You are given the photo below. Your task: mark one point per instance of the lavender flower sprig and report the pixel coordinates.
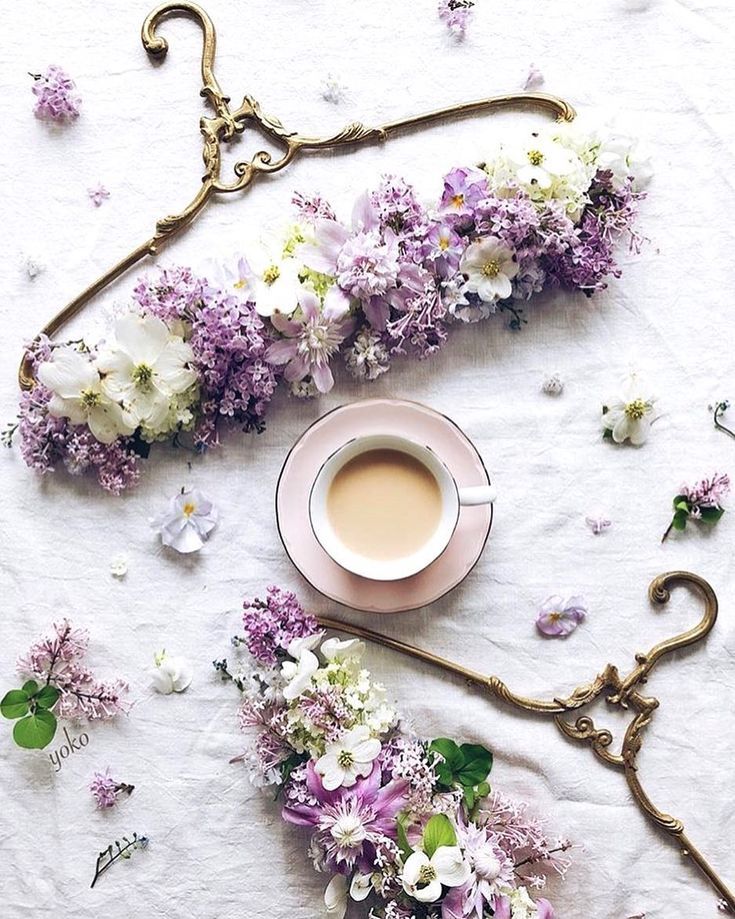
(701, 502)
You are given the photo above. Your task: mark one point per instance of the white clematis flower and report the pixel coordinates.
(336, 651)
(423, 877)
(489, 267)
(187, 521)
(629, 418)
(348, 758)
(298, 673)
(145, 366)
(335, 896)
(539, 160)
(78, 395)
(171, 674)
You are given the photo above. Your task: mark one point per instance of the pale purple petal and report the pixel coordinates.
(281, 352)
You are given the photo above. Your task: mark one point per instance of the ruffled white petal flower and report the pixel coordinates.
(630, 417)
(187, 522)
(334, 649)
(78, 395)
(451, 868)
(170, 674)
(335, 896)
(489, 267)
(348, 758)
(298, 674)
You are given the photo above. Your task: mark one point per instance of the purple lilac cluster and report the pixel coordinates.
(58, 659)
(706, 493)
(271, 625)
(47, 441)
(106, 790)
(456, 14)
(371, 795)
(229, 340)
(56, 95)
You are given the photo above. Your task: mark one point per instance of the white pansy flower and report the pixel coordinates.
(539, 160)
(335, 650)
(348, 758)
(171, 674)
(145, 367)
(335, 896)
(489, 267)
(188, 520)
(629, 417)
(78, 395)
(298, 674)
(423, 877)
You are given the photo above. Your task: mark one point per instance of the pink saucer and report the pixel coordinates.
(380, 416)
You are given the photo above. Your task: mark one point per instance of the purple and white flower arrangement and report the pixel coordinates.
(404, 826)
(193, 356)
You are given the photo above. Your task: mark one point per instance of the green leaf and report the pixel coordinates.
(47, 697)
(446, 771)
(35, 731)
(14, 704)
(482, 790)
(31, 687)
(469, 797)
(680, 520)
(711, 514)
(477, 764)
(403, 844)
(439, 832)
(681, 504)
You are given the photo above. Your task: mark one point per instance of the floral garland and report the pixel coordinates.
(191, 353)
(410, 828)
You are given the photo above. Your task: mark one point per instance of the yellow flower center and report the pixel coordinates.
(535, 157)
(271, 275)
(554, 617)
(636, 409)
(142, 376)
(90, 398)
(427, 874)
(458, 201)
(491, 269)
(443, 243)
(345, 759)
(240, 283)
(188, 509)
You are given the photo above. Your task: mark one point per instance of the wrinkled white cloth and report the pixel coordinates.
(218, 847)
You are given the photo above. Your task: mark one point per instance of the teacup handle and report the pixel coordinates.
(477, 494)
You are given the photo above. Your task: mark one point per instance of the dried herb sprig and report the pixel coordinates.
(115, 851)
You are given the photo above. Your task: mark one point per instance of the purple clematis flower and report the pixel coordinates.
(558, 617)
(463, 190)
(349, 822)
(310, 341)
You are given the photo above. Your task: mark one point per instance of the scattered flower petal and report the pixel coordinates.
(553, 385)
(98, 194)
(333, 90)
(598, 524)
(119, 567)
(32, 266)
(187, 522)
(534, 79)
(559, 617)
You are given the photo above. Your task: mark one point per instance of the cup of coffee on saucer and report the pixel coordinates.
(385, 507)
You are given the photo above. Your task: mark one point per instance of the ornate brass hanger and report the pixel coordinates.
(227, 123)
(619, 691)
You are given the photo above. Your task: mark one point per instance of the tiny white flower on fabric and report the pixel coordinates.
(489, 267)
(335, 896)
(187, 521)
(145, 366)
(170, 674)
(539, 160)
(422, 877)
(534, 78)
(333, 90)
(629, 417)
(553, 385)
(335, 650)
(33, 266)
(298, 674)
(78, 395)
(360, 887)
(119, 567)
(598, 524)
(348, 758)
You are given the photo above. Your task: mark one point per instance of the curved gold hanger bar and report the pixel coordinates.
(622, 692)
(227, 123)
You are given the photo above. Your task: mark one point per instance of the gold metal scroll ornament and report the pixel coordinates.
(619, 691)
(227, 123)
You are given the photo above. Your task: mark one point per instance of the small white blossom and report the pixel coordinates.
(489, 266)
(119, 567)
(348, 758)
(553, 385)
(187, 522)
(629, 417)
(423, 877)
(170, 674)
(298, 674)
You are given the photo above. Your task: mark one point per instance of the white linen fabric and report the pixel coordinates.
(218, 847)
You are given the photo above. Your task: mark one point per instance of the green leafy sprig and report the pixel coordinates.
(683, 512)
(30, 708)
(465, 767)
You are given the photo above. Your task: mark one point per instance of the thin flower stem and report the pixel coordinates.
(542, 858)
(54, 657)
(720, 409)
(669, 528)
(130, 844)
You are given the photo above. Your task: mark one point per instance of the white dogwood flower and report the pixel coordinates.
(336, 650)
(78, 395)
(489, 267)
(335, 896)
(629, 417)
(423, 877)
(539, 160)
(348, 758)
